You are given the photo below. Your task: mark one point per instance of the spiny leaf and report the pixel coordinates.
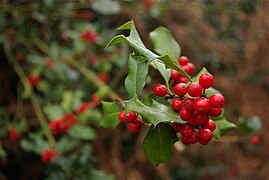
(165, 44)
(155, 112)
(158, 143)
(111, 111)
(137, 74)
(115, 40)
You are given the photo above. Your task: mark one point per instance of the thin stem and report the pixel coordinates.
(36, 107)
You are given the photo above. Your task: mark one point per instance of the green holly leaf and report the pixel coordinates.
(154, 112)
(137, 75)
(223, 126)
(164, 43)
(158, 143)
(111, 111)
(83, 132)
(53, 111)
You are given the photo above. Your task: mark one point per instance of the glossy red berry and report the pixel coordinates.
(203, 142)
(130, 117)
(135, 126)
(188, 103)
(177, 104)
(185, 114)
(194, 137)
(48, 155)
(185, 68)
(182, 79)
(195, 89)
(175, 75)
(217, 100)
(185, 140)
(180, 89)
(190, 68)
(211, 125)
(214, 112)
(186, 130)
(201, 119)
(183, 60)
(205, 135)
(121, 116)
(176, 126)
(201, 105)
(206, 80)
(193, 122)
(160, 90)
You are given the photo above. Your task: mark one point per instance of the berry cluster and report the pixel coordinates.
(62, 125)
(48, 155)
(132, 119)
(192, 104)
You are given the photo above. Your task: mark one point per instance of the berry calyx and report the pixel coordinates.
(206, 80)
(217, 100)
(177, 104)
(135, 126)
(201, 105)
(183, 60)
(121, 116)
(195, 89)
(180, 89)
(160, 90)
(130, 117)
(211, 125)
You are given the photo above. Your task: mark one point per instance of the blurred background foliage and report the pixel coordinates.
(53, 63)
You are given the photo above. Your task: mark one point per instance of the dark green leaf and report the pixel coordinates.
(83, 132)
(158, 143)
(3, 152)
(137, 75)
(224, 126)
(217, 133)
(155, 113)
(165, 44)
(111, 111)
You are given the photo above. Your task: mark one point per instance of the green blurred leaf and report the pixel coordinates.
(251, 125)
(137, 76)
(107, 7)
(165, 44)
(3, 152)
(53, 111)
(158, 143)
(111, 111)
(155, 112)
(217, 133)
(224, 126)
(83, 132)
(65, 144)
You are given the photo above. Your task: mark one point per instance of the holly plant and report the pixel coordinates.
(183, 108)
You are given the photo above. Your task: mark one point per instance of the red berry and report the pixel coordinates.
(175, 75)
(186, 130)
(190, 68)
(194, 137)
(185, 114)
(89, 35)
(33, 79)
(130, 117)
(255, 139)
(160, 90)
(149, 3)
(182, 79)
(188, 103)
(211, 125)
(183, 60)
(206, 80)
(201, 119)
(185, 140)
(82, 107)
(217, 100)
(135, 126)
(180, 89)
(54, 126)
(13, 134)
(214, 112)
(177, 104)
(63, 126)
(193, 122)
(203, 142)
(121, 116)
(201, 105)
(185, 68)
(48, 155)
(195, 89)
(176, 127)
(205, 135)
